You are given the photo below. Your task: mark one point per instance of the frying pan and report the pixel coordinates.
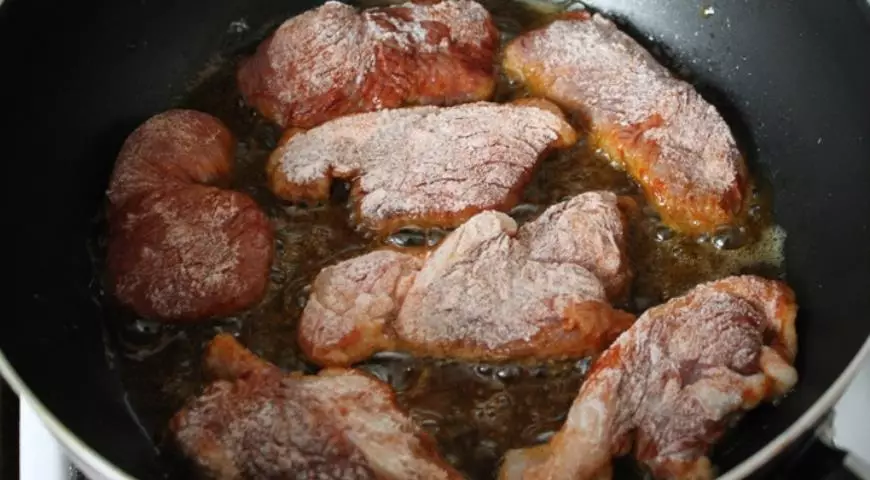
(791, 77)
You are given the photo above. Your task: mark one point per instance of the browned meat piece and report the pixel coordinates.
(491, 291)
(670, 384)
(257, 422)
(180, 249)
(334, 60)
(422, 165)
(674, 143)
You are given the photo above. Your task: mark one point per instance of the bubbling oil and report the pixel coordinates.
(475, 411)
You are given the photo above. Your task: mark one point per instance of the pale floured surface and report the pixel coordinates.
(334, 60)
(338, 425)
(437, 165)
(361, 298)
(670, 383)
(490, 291)
(670, 139)
(588, 230)
(485, 286)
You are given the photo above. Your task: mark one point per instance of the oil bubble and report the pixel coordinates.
(663, 233)
(508, 373)
(582, 366)
(434, 236)
(390, 355)
(379, 371)
(729, 238)
(543, 437)
(408, 237)
(524, 212)
(755, 212)
(144, 327)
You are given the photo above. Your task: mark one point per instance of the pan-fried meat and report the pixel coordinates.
(335, 60)
(490, 291)
(674, 143)
(257, 422)
(179, 248)
(421, 165)
(670, 384)
(353, 304)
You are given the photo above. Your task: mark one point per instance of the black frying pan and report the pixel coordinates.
(792, 78)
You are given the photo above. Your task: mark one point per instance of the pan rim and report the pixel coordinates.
(97, 467)
(809, 419)
(85, 458)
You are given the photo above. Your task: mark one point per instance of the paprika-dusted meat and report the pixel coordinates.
(334, 60)
(422, 165)
(674, 143)
(669, 386)
(257, 422)
(490, 291)
(179, 247)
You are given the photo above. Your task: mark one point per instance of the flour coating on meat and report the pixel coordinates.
(338, 425)
(354, 304)
(669, 385)
(428, 165)
(663, 132)
(490, 291)
(335, 60)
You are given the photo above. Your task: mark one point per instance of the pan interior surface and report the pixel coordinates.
(790, 79)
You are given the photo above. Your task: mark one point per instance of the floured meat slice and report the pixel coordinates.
(256, 422)
(350, 312)
(671, 384)
(335, 60)
(674, 143)
(491, 291)
(427, 166)
(180, 247)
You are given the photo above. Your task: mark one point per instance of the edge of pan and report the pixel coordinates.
(86, 459)
(95, 467)
(809, 419)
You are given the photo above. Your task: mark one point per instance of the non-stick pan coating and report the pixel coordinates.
(77, 77)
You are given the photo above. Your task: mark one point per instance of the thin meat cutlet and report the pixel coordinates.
(426, 166)
(335, 60)
(491, 291)
(674, 143)
(668, 387)
(255, 421)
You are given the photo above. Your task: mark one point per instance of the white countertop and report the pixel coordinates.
(852, 422)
